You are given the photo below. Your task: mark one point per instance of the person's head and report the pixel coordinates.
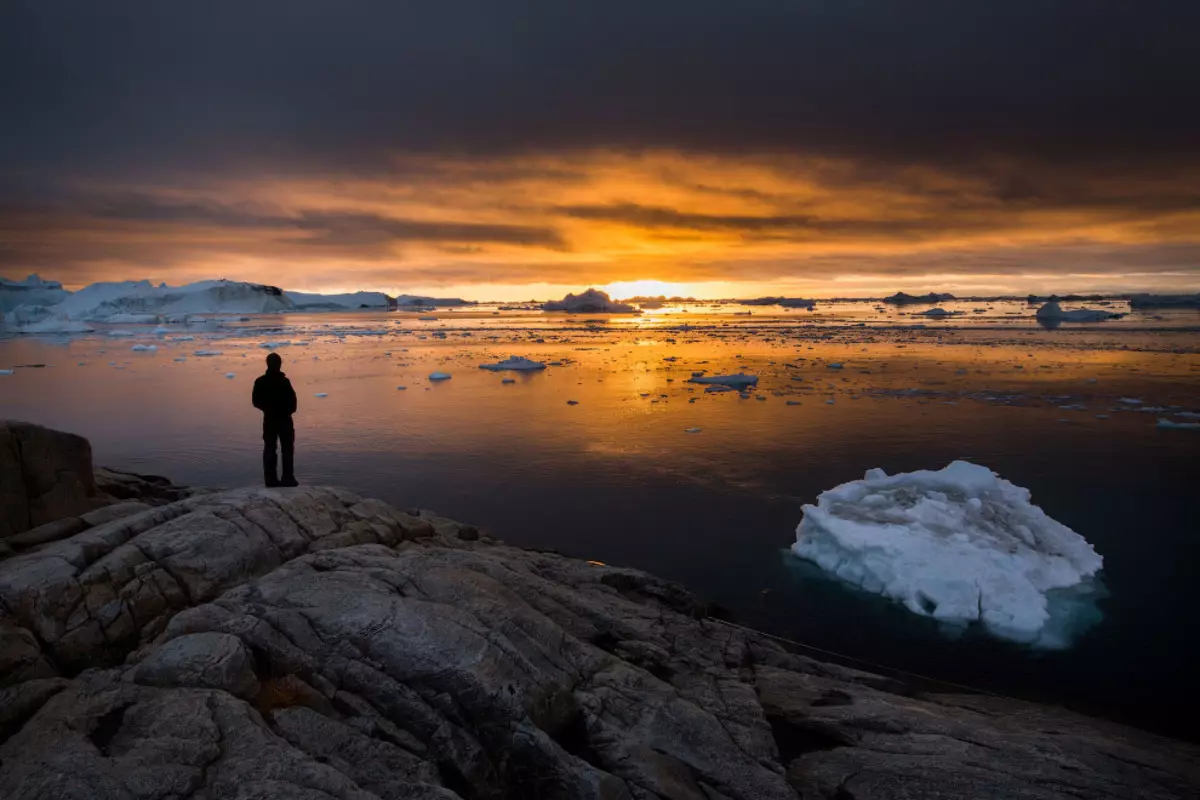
(274, 362)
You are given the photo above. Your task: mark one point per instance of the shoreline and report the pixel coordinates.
(312, 642)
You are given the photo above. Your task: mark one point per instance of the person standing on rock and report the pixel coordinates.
(275, 397)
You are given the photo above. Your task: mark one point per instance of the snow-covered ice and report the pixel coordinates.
(517, 363)
(960, 544)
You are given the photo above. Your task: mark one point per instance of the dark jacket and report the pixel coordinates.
(274, 396)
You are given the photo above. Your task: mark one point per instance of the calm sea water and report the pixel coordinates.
(616, 478)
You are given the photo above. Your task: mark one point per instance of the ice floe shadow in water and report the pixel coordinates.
(1072, 613)
(961, 546)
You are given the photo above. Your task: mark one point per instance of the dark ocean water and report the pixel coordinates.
(616, 479)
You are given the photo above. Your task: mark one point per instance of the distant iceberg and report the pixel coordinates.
(1053, 312)
(738, 381)
(145, 303)
(308, 301)
(593, 301)
(517, 363)
(903, 298)
(960, 544)
(33, 291)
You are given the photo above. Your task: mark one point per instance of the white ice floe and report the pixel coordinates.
(960, 544)
(1187, 426)
(144, 348)
(6, 372)
(739, 380)
(1053, 312)
(517, 363)
(439, 376)
(593, 301)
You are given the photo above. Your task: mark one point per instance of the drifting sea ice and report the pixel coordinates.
(517, 363)
(439, 376)
(733, 381)
(960, 544)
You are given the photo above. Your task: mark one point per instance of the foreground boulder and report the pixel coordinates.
(310, 643)
(49, 489)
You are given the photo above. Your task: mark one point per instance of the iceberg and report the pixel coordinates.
(1053, 312)
(34, 319)
(141, 300)
(33, 291)
(960, 544)
(935, 312)
(517, 363)
(309, 301)
(740, 380)
(593, 301)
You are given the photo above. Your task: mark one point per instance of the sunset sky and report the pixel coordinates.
(512, 150)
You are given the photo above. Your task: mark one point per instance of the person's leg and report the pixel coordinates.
(287, 444)
(270, 434)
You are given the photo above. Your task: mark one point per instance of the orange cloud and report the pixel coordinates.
(536, 224)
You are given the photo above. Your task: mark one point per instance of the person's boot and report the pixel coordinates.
(269, 474)
(289, 482)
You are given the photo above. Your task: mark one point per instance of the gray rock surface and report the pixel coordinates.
(49, 490)
(44, 475)
(309, 643)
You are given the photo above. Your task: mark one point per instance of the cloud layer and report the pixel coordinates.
(465, 143)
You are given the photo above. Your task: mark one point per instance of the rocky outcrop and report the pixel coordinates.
(310, 643)
(44, 475)
(48, 489)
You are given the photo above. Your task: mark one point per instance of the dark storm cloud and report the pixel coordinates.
(327, 86)
(325, 227)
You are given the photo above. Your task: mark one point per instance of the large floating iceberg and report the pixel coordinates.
(593, 301)
(517, 363)
(33, 291)
(101, 301)
(1053, 312)
(308, 301)
(960, 544)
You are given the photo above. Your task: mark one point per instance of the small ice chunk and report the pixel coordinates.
(1187, 426)
(144, 348)
(572, 402)
(517, 363)
(321, 394)
(439, 376)
(509, 380)
(207, 353)
(834, 365)
(960, 544)
(739, 380)
(6, 371)
(692, 430)
(230, 375)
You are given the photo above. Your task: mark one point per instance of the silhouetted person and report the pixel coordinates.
(274, 396)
